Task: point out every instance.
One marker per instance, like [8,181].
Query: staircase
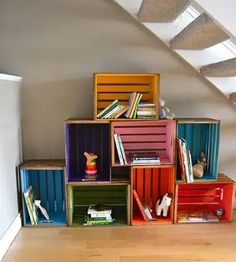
[192,33]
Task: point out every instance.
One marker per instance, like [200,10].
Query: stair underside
[225,68]
[200,34]
[161,11]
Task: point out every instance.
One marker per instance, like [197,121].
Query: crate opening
[89,138]
[150,185]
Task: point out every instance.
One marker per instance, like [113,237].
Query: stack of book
[145,158]
[134,100]
[98,215]
[113,111]
[146,111]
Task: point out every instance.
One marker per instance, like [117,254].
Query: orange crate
[109,87]
[151,183]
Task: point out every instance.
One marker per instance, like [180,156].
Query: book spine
[118,149]
[181,159]
[122,149]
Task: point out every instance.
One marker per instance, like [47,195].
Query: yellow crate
[109,87]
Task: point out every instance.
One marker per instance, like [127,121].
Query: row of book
[145,157]
[98,215]
[185,161]
[113,111]
[134,109]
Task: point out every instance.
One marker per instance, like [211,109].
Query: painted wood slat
[142,130]
[124,79]
[120,97]
[199,199]
[199,192]
[144,146]
[43,191]
[145,138]
[143,88]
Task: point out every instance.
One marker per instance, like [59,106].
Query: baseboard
[9,236]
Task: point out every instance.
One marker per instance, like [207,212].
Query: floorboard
[161,243]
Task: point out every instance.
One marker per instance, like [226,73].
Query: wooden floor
[162,243]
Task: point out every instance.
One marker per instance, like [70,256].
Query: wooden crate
[151,183]
[202,135]
[206,196]
[87,136]
[81,195]
[47,179]
[139,136]
[109,87]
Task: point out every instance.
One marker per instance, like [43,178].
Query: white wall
[10,148]
[57,45]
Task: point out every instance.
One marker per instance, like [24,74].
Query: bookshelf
[130,189]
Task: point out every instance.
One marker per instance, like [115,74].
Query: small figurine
[198,168]
[165,112]
[162,206]
[91,168]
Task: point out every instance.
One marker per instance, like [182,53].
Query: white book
[122,149]
[185,156]
[118,149]
[190,167]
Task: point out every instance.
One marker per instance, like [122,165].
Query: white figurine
[165,112]
[37,203]
[163,205]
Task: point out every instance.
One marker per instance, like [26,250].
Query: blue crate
[49,185]
[202,135]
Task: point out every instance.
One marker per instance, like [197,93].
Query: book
[106,109]
[120,112]
[140,205]
[196,216]
[148,155]
[97,221]
[99,212]
[122,149]
[185,160]
[29,196]
[118,149]
[131,102]
[146,161]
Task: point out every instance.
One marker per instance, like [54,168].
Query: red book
[181,159]
[140,205]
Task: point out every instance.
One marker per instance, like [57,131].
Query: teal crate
[48,181]
[202,135]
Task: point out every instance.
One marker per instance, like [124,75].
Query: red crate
[206,196]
